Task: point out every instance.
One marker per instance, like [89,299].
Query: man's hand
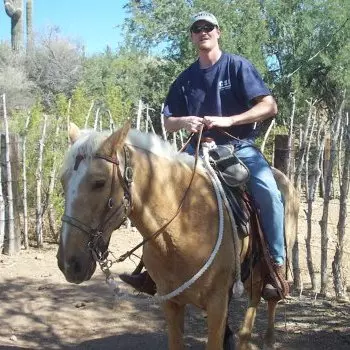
[221,122]
[192,123]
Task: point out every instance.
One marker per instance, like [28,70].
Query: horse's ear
[117,139]
[124,132]
[73,132]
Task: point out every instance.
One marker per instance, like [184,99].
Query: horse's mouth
[81,276]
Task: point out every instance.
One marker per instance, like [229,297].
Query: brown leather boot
[141,282]
[276,287]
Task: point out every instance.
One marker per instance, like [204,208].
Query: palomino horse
[140,176]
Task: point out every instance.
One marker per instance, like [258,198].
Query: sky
[94,23]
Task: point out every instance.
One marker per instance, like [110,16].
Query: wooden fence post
[283,155]
[39,180]
[326,161]
[139,115]
[12,243]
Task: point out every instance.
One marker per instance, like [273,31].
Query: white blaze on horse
[99,194]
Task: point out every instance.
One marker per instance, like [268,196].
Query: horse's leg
[217,309]
[174,315]
[229,340]
[270,333]
[245,332]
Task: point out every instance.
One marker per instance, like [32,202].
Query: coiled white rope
[238,287]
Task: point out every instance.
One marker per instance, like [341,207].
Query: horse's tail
[291,211]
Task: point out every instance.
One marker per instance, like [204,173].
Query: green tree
[306,50]
[80,104]
[119,108]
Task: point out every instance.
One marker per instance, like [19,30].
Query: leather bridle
[120,213]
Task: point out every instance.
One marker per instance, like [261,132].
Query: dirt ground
[40,310]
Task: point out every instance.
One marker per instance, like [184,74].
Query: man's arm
[189,123]
[263,108]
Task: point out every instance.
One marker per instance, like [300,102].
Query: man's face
[204,35]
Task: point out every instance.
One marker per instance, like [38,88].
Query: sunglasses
[206,28]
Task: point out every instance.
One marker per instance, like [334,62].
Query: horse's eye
[98,184]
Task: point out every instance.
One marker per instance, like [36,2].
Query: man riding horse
[224,92]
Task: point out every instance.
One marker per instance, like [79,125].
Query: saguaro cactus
[29,12]
[13,9]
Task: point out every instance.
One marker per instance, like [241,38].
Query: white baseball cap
[204,16]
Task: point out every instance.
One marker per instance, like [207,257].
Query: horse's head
[95,184]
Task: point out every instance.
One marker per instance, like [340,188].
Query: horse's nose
[74,265]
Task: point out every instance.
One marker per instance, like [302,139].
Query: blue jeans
[267,198]
[266,195]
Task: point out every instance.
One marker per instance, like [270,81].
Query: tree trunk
[337,264]
[88,115]
[181,138]
[290,149]
[111,121]
[302,149]
[281,161]
[174,141]
[326,160]
[322,166]
[39,175]
[139,115]
[68,119]
[150,120]
[52,182]
[97,115]
[307,156]
[14,242]
[146,120]
[162,123]
[24,177]
[313,180]
[328,185]
[266,136]
[2,216]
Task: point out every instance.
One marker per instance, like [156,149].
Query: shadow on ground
[301,323]
[133,341]
[59,316]
[38,314]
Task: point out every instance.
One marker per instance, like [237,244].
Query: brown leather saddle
[233,175]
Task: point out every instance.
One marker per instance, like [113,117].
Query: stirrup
[276,287]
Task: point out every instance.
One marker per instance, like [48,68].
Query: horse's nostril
[74,265]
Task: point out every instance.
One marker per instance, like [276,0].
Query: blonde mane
[90,140]
[154,144]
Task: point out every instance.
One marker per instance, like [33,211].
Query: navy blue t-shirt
[224,89]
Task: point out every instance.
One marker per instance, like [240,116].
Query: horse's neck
[159,185]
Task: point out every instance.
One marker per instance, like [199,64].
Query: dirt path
[40,310]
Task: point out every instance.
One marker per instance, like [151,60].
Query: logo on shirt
[224,84]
